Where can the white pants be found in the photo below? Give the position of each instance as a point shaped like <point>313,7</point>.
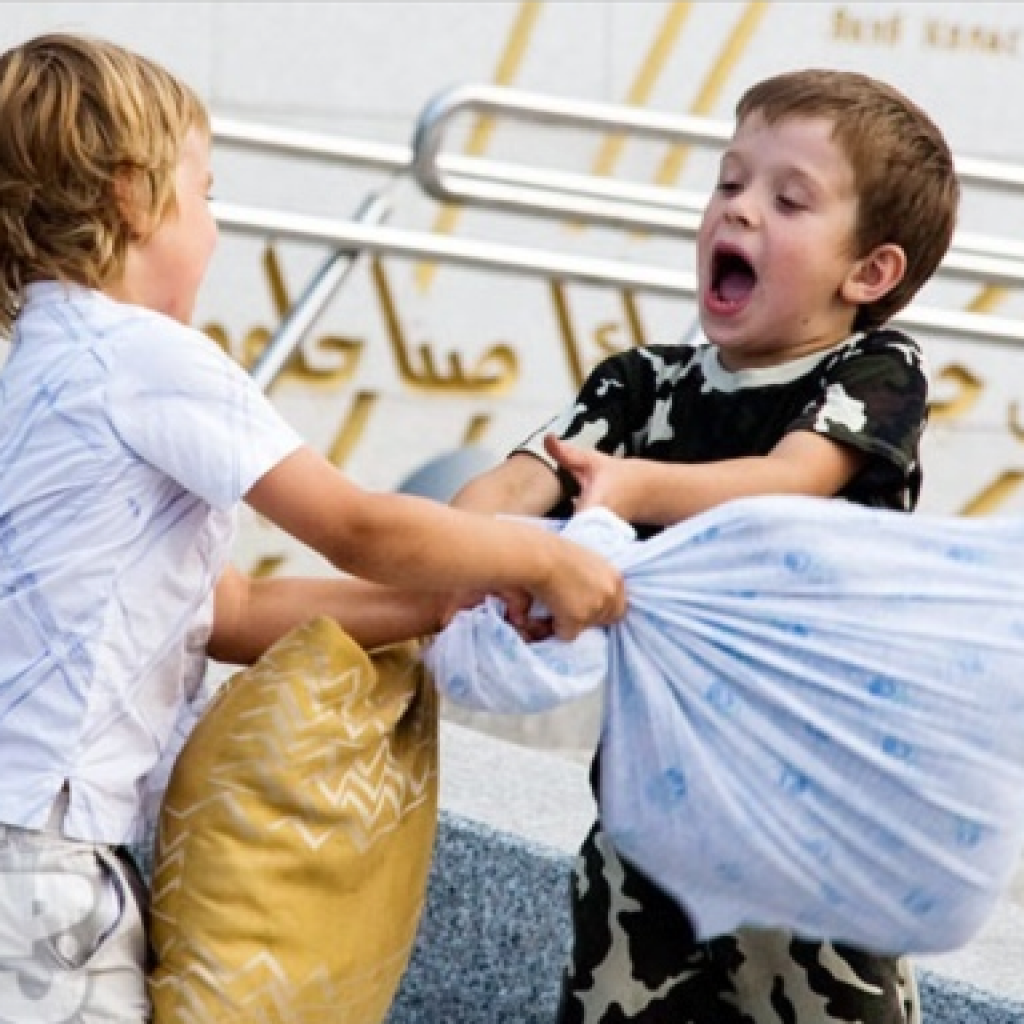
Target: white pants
<point>72,933</point>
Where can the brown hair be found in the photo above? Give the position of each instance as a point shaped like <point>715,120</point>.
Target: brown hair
<point>90,136</point>
<point>903,168</point>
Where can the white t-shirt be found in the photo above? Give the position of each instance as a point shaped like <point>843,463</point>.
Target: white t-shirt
<point>126,442</point>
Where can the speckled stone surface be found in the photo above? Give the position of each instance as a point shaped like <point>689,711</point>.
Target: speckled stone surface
<point>495,931</point>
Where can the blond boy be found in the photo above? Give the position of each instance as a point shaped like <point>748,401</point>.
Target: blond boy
<point>127,442</point>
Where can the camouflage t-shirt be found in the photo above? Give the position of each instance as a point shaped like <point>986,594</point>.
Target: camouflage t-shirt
<point>675,403</point>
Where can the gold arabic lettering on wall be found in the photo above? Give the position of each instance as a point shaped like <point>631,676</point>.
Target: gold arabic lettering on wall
<point>338,356</point>
<point>332,360</point>
<point>494,373</point>
<point>609,336</point>
<point>870,24</point>
<point>967,392</point>
<point>994,496</point>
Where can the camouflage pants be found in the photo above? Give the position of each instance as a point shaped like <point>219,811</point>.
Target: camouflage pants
<point>634,959</point>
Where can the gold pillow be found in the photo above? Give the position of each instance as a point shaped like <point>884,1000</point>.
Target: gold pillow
<point>295,838</point>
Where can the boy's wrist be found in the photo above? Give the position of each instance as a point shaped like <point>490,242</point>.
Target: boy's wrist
<point>636,484</point>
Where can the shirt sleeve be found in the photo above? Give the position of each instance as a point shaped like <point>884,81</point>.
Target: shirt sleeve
<point>597,418</point>
<point>181,404</point>
<point>874,398</point>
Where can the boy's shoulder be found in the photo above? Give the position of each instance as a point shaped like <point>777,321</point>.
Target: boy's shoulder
<point>134,329</point>
<point>885,340</point>
<point>126,319</point>
<point>660,355</point>
<point>122,339</point>
<point>73,310</point>
<point>150,345</point>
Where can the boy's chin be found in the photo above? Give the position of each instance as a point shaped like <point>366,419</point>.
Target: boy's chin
<point>725,336</point>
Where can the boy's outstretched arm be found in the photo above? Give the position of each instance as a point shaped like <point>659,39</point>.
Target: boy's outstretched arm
<point>250,614</point>
<point>522,485</point>
<point>421,544</point>
<point>660,494</point>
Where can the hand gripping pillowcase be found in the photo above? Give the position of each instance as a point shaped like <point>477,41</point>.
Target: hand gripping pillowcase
<point>295,838</point>
<point>813,714</point>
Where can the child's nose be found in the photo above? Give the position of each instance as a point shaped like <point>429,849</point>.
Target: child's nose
<point>741,209</point>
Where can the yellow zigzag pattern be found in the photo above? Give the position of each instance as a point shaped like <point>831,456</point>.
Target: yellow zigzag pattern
<point>263,992</point>
<point>267,906</point>
<point>347,770</point>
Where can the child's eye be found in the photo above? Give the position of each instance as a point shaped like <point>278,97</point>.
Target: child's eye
<point>727,188</point>
<point>789,203</point>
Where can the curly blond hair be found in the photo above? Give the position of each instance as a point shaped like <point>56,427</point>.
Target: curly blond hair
<point>90,136</point>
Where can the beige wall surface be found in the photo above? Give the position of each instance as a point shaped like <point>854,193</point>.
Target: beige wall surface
<point>410,360</point>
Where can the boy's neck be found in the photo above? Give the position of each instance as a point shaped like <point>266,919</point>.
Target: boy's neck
<point>787,361</point>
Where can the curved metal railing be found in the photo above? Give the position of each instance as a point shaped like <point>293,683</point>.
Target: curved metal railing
<point>530,190</point>
<point>538,191</point>
<point>652,208</point>
<point>520,260</point>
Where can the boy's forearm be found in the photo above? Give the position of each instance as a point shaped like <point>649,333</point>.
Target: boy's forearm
<point>661,495</point>
<point>397,539</point>
<point>657,494</point>
<point>414,542</point>
<point>521,485</point>
<point>252,615</point>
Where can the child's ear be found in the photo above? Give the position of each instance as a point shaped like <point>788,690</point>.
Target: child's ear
<point>875,275</point>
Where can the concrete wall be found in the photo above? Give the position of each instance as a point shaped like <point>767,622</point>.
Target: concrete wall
<point>363,386</point>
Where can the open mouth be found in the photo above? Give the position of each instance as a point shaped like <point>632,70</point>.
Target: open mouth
<point>732,278</point>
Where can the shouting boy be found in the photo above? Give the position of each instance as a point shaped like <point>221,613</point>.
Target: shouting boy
<point>835,202</point>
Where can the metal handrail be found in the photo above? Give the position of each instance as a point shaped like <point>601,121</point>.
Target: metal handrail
<point>398,159</point>
<point>425,245</point>
<point>294,142</point>
<point>304,313</point>
<point>542,108</point>
<point>636,207</point>
<point>974,257</point>
<point>466,179</point>
<point>510,259</point>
